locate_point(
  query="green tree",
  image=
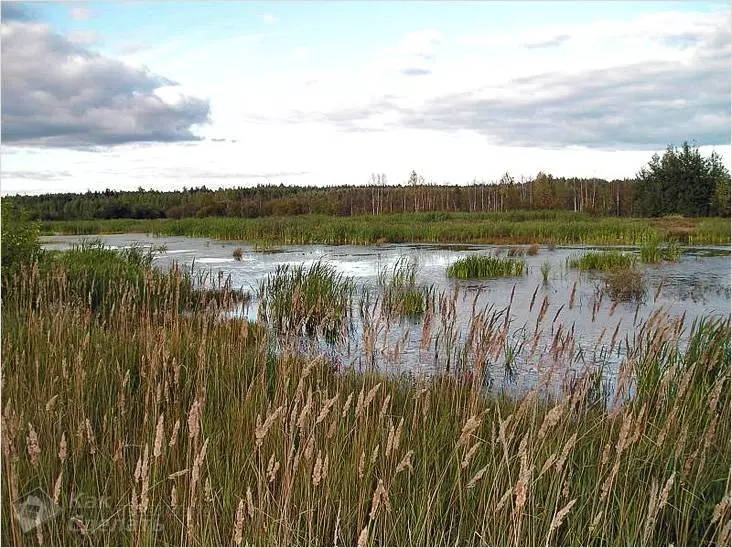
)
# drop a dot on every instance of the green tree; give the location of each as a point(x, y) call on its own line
point(20, 237)
point(721, 198)
point(682, 181)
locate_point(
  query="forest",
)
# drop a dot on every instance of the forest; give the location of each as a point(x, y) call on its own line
point(681, 182)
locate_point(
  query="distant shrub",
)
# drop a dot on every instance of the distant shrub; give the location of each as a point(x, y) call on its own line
point(20, 241)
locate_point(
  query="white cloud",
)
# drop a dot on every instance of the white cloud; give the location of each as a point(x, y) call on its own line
point(84, 37)
point(79, 13)
point(268, 18)
point(300, 53)
point(298, 124)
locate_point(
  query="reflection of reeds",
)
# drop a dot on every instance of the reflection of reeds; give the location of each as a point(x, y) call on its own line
point(280, 449)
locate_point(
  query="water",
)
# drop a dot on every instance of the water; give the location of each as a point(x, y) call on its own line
point(697, 286)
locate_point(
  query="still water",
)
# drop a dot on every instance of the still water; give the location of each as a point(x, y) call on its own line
point(698, 286)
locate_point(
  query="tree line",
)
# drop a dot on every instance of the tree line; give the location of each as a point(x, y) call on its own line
point(682, 181)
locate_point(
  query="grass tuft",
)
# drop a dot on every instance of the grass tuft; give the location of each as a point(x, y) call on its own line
point(602, 260)
point(311, 299)
point(401, 296)
point(625, 284)
point(482, 267)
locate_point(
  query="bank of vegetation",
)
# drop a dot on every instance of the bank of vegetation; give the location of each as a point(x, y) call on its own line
point(149, 423)
point(517, 227)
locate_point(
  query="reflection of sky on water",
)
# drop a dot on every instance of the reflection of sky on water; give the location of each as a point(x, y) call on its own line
point(698, 285)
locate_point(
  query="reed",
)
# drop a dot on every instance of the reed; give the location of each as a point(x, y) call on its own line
point(307, 299)
point(546, 268)
point(625, 284)
point(516, 227)
point(602, 261)
point(151, 425)
point(482, 267)
point(400, 294)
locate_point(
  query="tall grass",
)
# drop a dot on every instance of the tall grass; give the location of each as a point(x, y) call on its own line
point(546, 268)
point(102, 278)
point(307, 299)
point(149, 425)
point(482, 267)
point(653, 252)
point(400, 294)
point(602, 260)
point(517, 227)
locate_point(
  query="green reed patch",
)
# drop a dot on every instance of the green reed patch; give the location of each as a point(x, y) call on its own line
point(517, 227)
point(483, 267)
point(652, 251)
point(314, 299)
point(546, 268)
point(602, 260)
point(103, 277)
point(400, 294)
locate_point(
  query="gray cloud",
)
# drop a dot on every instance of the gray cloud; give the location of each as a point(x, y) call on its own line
point(59, 94)
point(84, 37)
point(640, 106)
point(131, 47)
point(196, 174)
point(416, 71)
point(554, 41)
point(39, 175)
point(16, 11)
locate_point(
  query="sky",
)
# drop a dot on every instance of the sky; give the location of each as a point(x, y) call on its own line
point(167, 95)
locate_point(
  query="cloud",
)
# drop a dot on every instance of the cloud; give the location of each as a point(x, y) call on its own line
point(268, 18)
point(79, 13)
point(84, 37)
point(420, 43)
point(300, 53)
point(131, 47)
point(15, 11)
point(416, 71)
point(39, 175)
point(59, 94)
point(414, 54)
point(203, 174)
point(643, 105)
point(554, 41)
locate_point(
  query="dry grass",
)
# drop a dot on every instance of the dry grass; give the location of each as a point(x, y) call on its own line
point(152, 425)
point(625, 284)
